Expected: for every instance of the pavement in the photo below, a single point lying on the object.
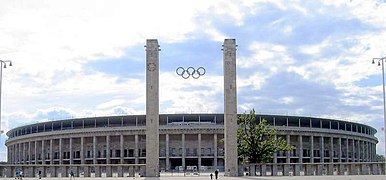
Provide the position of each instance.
(358, 177)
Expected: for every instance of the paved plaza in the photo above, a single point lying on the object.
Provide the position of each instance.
(359, 177)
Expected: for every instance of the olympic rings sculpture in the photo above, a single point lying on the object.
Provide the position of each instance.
(190, 71)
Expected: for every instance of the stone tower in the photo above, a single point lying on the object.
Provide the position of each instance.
(230, 107)
(152, 108)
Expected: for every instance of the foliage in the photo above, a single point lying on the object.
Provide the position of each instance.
(257, 143)
(379, 158)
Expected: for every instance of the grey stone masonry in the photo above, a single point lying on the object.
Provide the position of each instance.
(152, 108)
(230, 107)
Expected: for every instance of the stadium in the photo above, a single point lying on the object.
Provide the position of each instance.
(157, 144)
(190, 143)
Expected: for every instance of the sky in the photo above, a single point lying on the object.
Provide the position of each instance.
(87, 58)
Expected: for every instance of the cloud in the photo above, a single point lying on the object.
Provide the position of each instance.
(76, 59)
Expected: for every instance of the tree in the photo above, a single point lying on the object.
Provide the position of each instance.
(256, 142)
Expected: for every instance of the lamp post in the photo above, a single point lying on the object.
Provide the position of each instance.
(2, 65)
(381, 62)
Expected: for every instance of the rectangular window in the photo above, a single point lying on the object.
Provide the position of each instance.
(131, 152)
(125, 153)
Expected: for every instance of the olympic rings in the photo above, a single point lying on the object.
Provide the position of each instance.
(190, 71)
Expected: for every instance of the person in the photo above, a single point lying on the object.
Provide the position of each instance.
(17, 173)
(40, 174)
(211, 176)
(216, 174)
(72, 175)
(21, 175)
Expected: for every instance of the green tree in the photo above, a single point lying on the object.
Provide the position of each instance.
(256, 141)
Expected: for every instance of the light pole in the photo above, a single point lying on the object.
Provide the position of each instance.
(381, 62)
(2, 65)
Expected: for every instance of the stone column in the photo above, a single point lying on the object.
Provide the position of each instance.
(121, 147)
(340, 149)
(82, 150)
(60, 151)
(108, 150)
(230, 107)
(167, 152)
(215, 150)
(331, 149)
(52, 152)
(346, 149)
(183, 151)
(152, 108)
(312, 148)
(199, 151)
(36, 152)
(353, 150)
(300, 148)
(289, 152)
(136, 154)
(94, 142)
(71, 152)
(43, 153)
(363, 151)
(322, 149)
(24, 154)
(29, 152)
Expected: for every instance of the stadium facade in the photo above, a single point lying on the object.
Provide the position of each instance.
(193, 143)
(116, 145)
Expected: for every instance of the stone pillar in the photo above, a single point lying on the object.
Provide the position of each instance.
(330, 169)
(71, 152)
(136, 154)
(183, 151)
(263, 170)
(23, 154)
(286, 169)
(121, 149)
(152, 108)
(82, 150)
(363, 151)
(300, 149)
(353, 150)
(367, 152)
(252, 170)
(43, 152)
(94, 154)
(60, 151)
(29, 152)
(346, 149)
(108, 150)
(52, 152)
(199, 151)
(230, 107)
(167, 152)
(322, 149)
(331, 149)
(312, 148)
(275, 156)
(215, 150)
(340, 149)
(342, 169)
(288, 158)
(36, 152)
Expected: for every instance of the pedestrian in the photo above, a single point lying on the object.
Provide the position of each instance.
(21, 174)
(216, 174)
(72, 175)
(211, 176)
(40, 174)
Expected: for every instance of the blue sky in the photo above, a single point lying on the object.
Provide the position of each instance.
(86, 58)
